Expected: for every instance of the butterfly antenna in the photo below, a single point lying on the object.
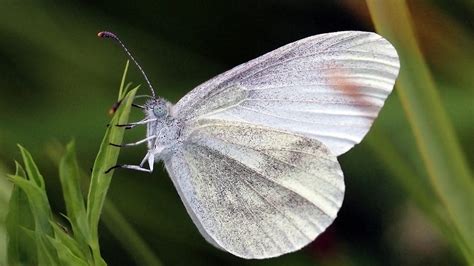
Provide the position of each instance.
(110, 35)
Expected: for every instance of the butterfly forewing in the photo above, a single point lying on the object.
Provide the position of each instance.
(255, 191)
(329, 87)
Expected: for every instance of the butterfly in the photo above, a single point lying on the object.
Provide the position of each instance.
(253, 151)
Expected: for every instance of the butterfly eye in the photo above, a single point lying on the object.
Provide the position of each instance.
(160, 110)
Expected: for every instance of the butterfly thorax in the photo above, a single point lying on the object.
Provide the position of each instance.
(163, 130)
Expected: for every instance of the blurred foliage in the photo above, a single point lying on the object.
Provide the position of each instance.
(58, 81)
(437, 143)
(5, 193)
(35, 237)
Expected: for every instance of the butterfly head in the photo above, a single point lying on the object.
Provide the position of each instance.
(157, 108)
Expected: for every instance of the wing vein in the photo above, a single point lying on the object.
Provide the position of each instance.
(312, 55)
(273, 181)
(297, 120)
(291, 220)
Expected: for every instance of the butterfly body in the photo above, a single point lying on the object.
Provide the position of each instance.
(164, 127)
(253, 152)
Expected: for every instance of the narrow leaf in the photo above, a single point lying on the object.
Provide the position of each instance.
(21, 249)
(106, 158)
(66, 255)
(39, 204)
(47, 254)
(19, 170)
(66, 240)
(123, 89)
(31, 168)
(76, 210)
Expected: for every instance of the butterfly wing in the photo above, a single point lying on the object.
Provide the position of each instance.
(254, 191)
(257, 168)
(329, 87)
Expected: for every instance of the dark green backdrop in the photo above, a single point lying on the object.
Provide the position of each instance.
(58, 80)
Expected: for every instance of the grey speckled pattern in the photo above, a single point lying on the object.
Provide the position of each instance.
(252, 152)
(257, 192)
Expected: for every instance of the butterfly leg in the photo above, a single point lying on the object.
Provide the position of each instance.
(148, 157)
(151, 162)
(133, 143)
(134, 124)
(138, 106)
(144, 159)
(129, 166)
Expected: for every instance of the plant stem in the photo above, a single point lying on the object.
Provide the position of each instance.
(439, 148)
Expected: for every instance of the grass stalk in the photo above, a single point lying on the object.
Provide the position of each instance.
(436, 141)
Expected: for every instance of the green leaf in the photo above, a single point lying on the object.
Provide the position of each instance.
(124, 232)
(66, 255)
(123, 89)
(47, 254)
(436, 140)
(19, 170)
(76, 210)
(34, 189)
(35, 235)
(106, 158)
(31, 168)
(38, 202)
(67, 241)
(21, 248)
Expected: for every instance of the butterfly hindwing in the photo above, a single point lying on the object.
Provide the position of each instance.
(254, 191)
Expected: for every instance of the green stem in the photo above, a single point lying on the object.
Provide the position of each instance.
(437, 143)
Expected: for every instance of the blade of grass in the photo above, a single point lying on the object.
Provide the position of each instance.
(106, 158)
(439, 148)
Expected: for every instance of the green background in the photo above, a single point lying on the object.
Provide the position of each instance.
(58, 81)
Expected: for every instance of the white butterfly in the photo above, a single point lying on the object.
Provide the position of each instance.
(252, 152)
